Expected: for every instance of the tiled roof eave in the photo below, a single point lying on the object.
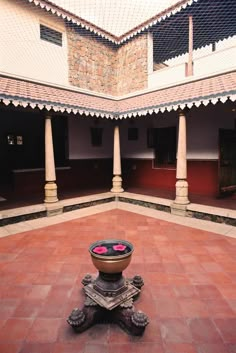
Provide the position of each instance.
(66, 15)
(180, 104)
(54, 106)
(155, 20)
(81, 110)
(30, 94)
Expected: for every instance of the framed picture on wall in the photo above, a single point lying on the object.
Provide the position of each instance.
(10, 139)
(19, 140)
(13, 139)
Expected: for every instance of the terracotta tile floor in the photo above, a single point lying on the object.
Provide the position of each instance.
(189, 292)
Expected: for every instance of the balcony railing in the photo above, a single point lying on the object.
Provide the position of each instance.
(203, 65)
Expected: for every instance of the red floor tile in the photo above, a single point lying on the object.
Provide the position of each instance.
(175, 331)
(220, 278)
(10, 347)
(227, 329)
(38, 291)
(208, 292)
(66, 334)
(191, 307)
(213, 348)
(7, 307)
(232, 348)
(43, 331)
(185, 291)
(136, 347)
(52, 308)
(228, 291)
(219, 308)
(179, 348)
(168, 307)
(75, 347)
(96, 348)
(204, 331)
(28, 308)
(162, 291)
(15, 292)
(37, 348)
(211, 267)
(15, 329)
(232, 304)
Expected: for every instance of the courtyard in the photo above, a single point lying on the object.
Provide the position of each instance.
(189, 273)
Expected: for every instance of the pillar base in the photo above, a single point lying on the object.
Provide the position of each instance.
(117, 184)
(50, 192)
(181, 187)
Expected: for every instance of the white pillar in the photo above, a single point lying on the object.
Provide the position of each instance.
(181, 170)
(190, 46)
(117, 179)
(50, 173)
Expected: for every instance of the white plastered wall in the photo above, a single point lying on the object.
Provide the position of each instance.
(22, 51)
(138, 148)
(203, 131)
(203, 126)
(80, 146)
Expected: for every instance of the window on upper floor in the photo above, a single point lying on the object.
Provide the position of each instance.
(50, 35)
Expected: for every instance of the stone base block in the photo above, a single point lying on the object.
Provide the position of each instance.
(54, 210)
(178, 209)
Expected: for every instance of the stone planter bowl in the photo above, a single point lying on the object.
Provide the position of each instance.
(111, 264)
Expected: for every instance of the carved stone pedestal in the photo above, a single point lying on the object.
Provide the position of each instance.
(109, 299)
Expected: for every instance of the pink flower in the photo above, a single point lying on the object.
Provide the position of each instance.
(100, 250)
(119, 247)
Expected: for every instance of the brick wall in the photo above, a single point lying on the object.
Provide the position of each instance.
(91, 62)
(132, 65)
(97, 65)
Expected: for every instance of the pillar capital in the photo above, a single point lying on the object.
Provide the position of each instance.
(190, 46)
(183, 112)
(180, 112)
(47, 116)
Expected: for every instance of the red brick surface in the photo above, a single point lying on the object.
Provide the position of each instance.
(98, 66)
(190, 310)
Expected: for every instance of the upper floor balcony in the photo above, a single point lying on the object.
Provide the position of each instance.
(197, 42)
(210, 60)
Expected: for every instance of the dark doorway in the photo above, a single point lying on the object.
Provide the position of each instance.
(227, 161)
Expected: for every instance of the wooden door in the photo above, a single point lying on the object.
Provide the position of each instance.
(227, 160)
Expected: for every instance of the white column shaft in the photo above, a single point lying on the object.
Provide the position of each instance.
(179, 206)
(116, 152)
(117, 178)
(181, 172)
(190, 46)
(50, 173)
